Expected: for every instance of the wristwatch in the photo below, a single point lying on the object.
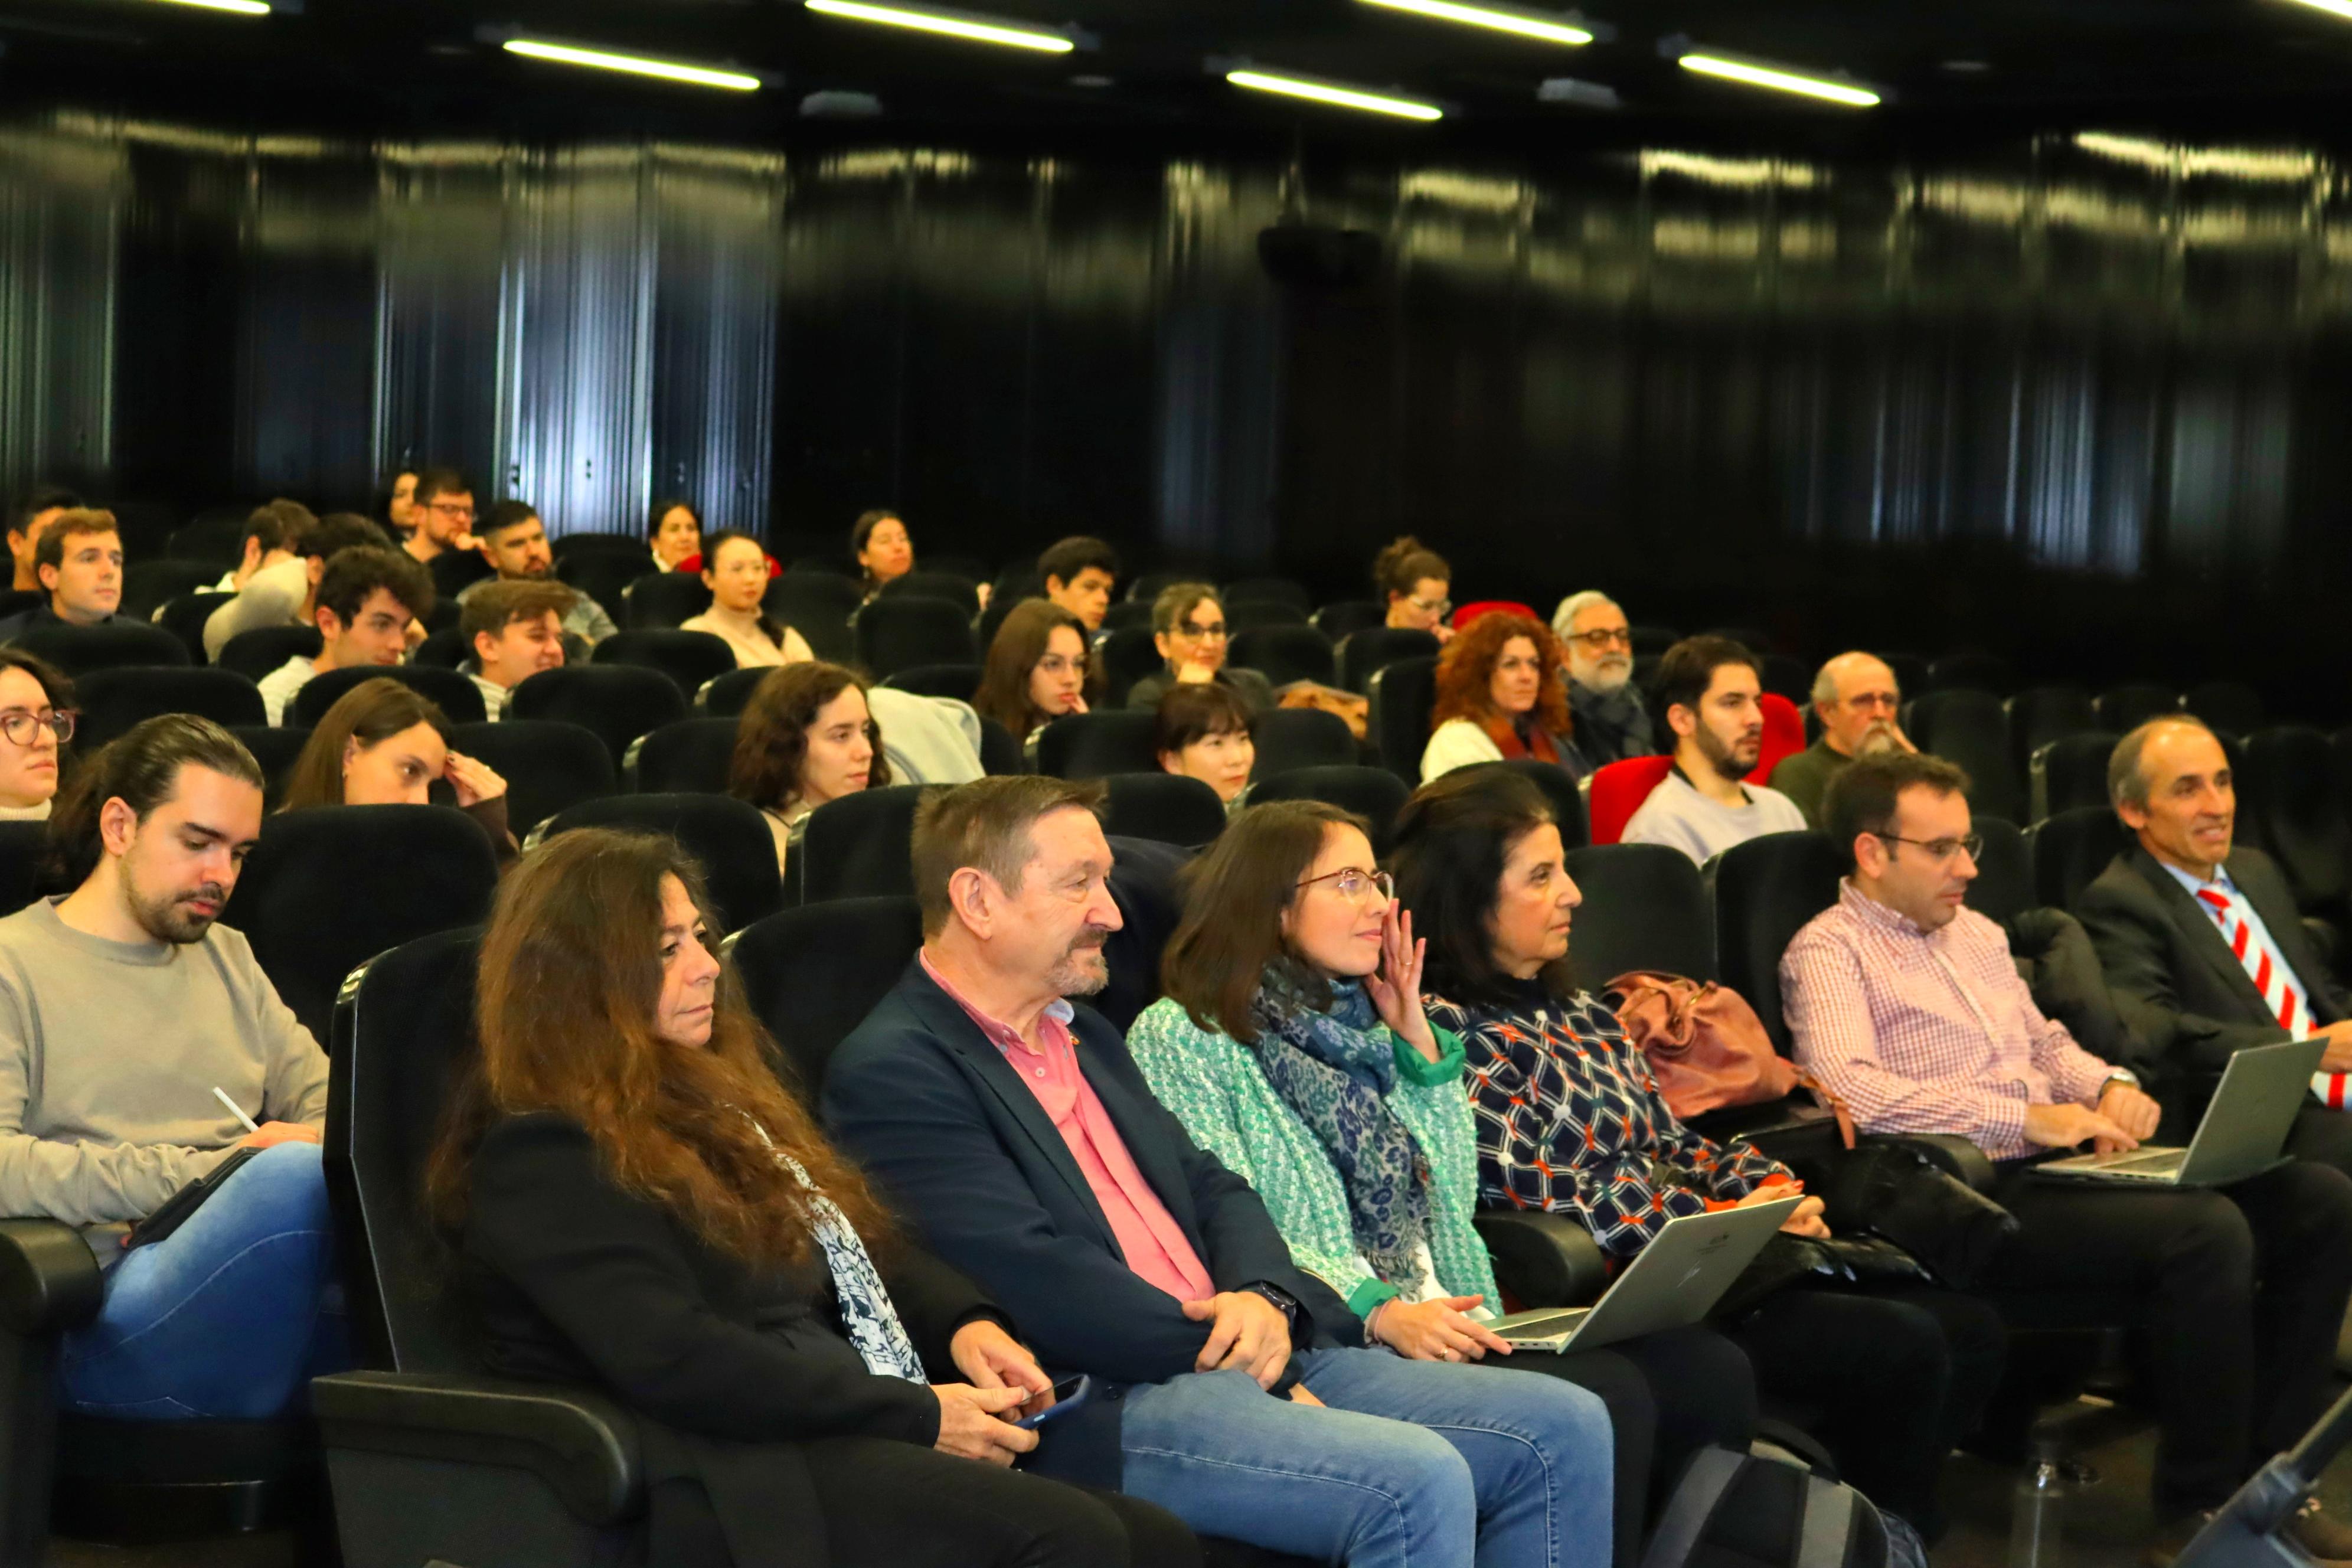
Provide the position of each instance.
(1283, 1302)
(2116, 1076)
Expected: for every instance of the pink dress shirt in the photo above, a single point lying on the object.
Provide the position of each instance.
(1921, 1032)
(1149, 1236)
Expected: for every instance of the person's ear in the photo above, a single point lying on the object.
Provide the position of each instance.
(116, 825)
(1160, 641)
(968, 896)
(48, 577)
(1054, 586)
(329, 624)
(2134, 816)
(1870, 855)
(314, 567)
(1171, 762)
(351, 752)
(483, 654)
(1681, 720)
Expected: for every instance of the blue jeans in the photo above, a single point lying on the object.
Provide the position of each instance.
(1415, 1465)
(225, 1318)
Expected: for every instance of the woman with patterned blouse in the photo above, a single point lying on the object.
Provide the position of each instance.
(1569, 1119)
(1293, 1046)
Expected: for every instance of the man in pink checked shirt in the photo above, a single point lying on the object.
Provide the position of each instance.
(1906, 1003)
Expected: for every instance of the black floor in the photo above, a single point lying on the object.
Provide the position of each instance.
(2108, 1524)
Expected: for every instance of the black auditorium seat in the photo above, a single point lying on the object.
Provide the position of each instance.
(1365, 653)
(2289, 806)
(2070, 772)
(1286, 654)
(78, 650)
(813, 973)
(729, 838)
(661, 601)
(856, 846)
(1287, 738)
(618, 701)
(2127, 707)
(1093, 745)
(184, 618)
(1267, 590)
(689, 755)
(1567, 800)
(818, 605)
(1124, 658)
(1265, 615)
(688, 658)
(891, 634)
(1168, 807)
(1343, 618)
(255, 654)
(2230, 707)
(1403, 693)
(112, 701)
(1375, 795)
(948, 587)
(1765, 890)
(549, 765)
(956, 680)
(1966, 725)
(455, 694)
(726, 696)
(149, 584)
(2040, 714)
(1644, 907)
(2070, 849)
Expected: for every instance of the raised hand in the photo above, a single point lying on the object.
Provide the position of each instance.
(1395, 987)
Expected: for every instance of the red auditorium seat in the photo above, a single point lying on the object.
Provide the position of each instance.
(1617, 791)
(1784, 736)
(1471, 612)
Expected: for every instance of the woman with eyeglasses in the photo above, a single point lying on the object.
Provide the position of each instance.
(1416, 585)
(37, 719)
(1188, 626)
(1293, 1046)
(1569, 1120)
(1036, 668)
(1499, 696)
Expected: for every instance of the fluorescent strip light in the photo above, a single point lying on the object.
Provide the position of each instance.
(667, 71)
(1329, 93)
(2333, 7)
(1779, 82)
(242, 7)
(952, 24)
(1526, 24)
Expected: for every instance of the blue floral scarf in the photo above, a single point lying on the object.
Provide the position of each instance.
(1335, 1069)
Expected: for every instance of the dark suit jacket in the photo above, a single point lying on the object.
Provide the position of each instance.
(2175, 980)
(927, 1105)
(574, 1280)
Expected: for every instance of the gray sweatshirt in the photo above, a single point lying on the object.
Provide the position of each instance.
(109, 1052)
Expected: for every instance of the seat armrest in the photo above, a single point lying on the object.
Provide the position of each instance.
(1544, 1259)
(49, 1278)
(581, 1444)
(1948, 1151)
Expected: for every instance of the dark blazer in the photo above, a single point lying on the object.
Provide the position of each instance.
(2175, 980)
(574, 1280)
(928, 1104)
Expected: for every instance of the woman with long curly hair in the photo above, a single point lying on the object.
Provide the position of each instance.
(1499, 695)
(806, 737)
(639, 1203)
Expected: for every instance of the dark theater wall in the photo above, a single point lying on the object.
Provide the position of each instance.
(2041, 391)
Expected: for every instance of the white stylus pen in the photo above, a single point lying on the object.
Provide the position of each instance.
(233, 1109)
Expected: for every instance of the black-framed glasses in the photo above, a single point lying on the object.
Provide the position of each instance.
(20, 727)
(1941, 848)
(1205, 634)
(1352, 884)
(1594, 641)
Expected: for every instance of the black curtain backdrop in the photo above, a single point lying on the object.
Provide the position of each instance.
(2079, 398)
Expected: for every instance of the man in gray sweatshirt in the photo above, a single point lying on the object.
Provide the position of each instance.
(140, 1045)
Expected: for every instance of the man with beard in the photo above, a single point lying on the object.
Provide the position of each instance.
(1612, 721)
(1712, 697)
(141, 1048)
(514, 542)
(1016, 1133)
(1857, 700)
(1908, 1006)
(2201, 939)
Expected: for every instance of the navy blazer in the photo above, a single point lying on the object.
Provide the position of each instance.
(961, 1148)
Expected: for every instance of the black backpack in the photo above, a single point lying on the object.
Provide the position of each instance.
(1743, 1511)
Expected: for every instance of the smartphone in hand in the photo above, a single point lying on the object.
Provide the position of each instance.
(1068, 1394)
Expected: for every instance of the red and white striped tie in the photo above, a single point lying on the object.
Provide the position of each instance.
(2275, 981)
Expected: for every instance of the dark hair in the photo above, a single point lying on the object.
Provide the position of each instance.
(392, 488)
(1068, 557)
(495, 605)
(867, 522)
(772, 737)
(39, 499)
(1402, 566)
(1862, 797)
(1190, 711)
(1176, 601)
(662, 508)
(505, 515)
(55, 689)
(353, 575)
(279, 524)
(431, 482)
(341, 531)
(372, 712)
(986, 824)
(1234, 896)
(770, 628)
(50, 549)
(1688, 669)
(1020, 642)
(141, 769)
(1453, 837)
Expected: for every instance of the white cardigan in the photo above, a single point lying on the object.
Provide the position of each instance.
(1456, 743)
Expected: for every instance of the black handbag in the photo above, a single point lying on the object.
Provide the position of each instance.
(1789, 1260)
(1895, 1193)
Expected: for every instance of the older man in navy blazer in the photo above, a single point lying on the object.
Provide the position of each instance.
(1016, 1131)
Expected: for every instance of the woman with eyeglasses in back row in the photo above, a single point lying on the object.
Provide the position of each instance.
(1189, 628)
(1415, 586)
(37, 719)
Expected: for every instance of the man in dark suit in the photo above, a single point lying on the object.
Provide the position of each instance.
(2199, 939)
(1013, 1129)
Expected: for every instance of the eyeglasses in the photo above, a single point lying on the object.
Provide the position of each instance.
(452, 508)
(1940, 848)
(1205, 634)
(1594, 641)
(1353, 884)
(20, 727)
(1442, 608)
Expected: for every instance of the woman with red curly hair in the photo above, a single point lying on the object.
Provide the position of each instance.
(1499, 695)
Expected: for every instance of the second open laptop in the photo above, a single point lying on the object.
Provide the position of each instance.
(1672, 1283)
(2240, 1135)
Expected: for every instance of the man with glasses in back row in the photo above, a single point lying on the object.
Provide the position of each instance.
(1907, 1006)
(1611, 723)
(1857, 700)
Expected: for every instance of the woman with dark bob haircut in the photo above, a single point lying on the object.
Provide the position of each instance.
(384, 744)
(1499, 695)
(638, 1204)
(806, 737)
(1569, 1119)
(1292, 1044)
(1036, 668)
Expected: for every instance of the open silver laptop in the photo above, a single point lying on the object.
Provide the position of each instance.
(2240, 1135)
(1672, 1283)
